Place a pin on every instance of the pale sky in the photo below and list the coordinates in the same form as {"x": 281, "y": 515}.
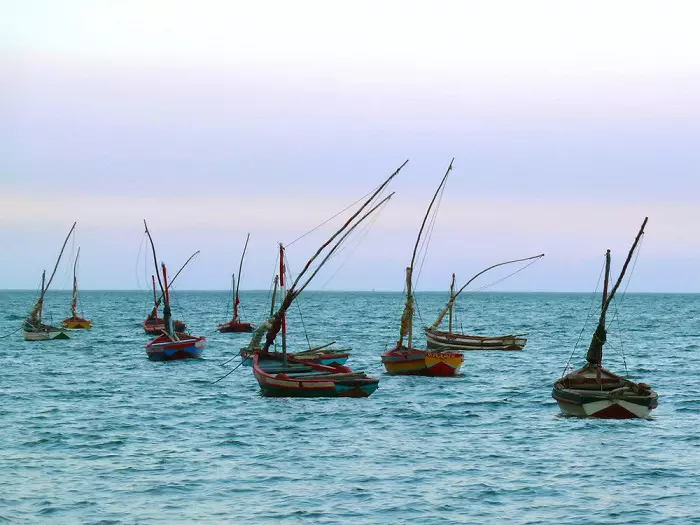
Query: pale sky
{"x": 569, "y": 122}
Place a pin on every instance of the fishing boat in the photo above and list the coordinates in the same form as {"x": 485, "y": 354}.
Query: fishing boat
{"x": 155, "y": 325}
{"x": 235, "y": 325}
{"x": 280, "y": 375}
{"x": 451, "y": 340}
{"x": 171, "y": 344}
{"x": 593, "y": 391}
{"x": 404, "y": 359}
{"x": 32, "y": 328}
{"x": 75, "y": 322}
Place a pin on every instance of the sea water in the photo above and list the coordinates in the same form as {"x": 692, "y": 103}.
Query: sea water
{"x": 93, "y": 432}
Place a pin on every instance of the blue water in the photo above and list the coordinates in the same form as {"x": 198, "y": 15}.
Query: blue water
{"x": 93, "y": 432}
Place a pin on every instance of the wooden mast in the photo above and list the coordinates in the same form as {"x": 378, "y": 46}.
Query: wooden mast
{"x": 233, "y": 295}
{"x": 595, "y": 350}
{"x": 453, "y": 297}
{"x": 155, "y": 259}
{"x": 167, "y": 317}
{"x": 452, "y": 300}
{"x": 274, "y": 294}
{"x": 74, "y": 301}
{"x": 172, "y": 281}
{"x": 407, "y": 316}
{"x": 283, "y": 293}
{"x": 238, "y": 284}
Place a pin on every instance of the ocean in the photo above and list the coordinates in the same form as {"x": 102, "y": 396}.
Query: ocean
{"x": 93, "y": 432}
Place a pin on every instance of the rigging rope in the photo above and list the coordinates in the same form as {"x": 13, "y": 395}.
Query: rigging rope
{"x": 588, "y": 315}
{"x": 506, "y": 277}
{"x": 334, "y": 216}
{"x": 11, "y": 333}
{"x": 428, "y": 237}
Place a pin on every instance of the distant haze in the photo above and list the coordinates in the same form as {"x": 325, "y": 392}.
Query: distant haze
{"x": 569, "y": 123}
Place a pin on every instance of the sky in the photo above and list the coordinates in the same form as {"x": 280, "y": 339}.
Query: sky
{"x": 569, "y": 122}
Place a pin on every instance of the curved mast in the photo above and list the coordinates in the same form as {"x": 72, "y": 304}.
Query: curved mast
{"x": 74, "y": 301}
{"x": 595, "y": 350}
{"x": 238, "y": 283}
{"x": 407, "y": 316}
{"x": 453, "y": 296}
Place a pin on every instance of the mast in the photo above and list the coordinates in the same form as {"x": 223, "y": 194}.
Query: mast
{"x": 453, "y": 297}
{"x": 167, "y": 317}
{"x": 233, "y": 296}
{"x": 40, "y": 304}
{"x": 238, "y": 284}
{"x": 74, "y": 301}
{"x": 452, "y": 300}
{"x": 407, "y": 315}
{"x": 274, "y": 293}
{"x": 172, "y": 281}
{"x": 283, "y": 293}
{"x": 595, "y": 350}
{"x": 155, "y": 301}
{"x": 155, "y": 259}
{"x": 46, "y": 288}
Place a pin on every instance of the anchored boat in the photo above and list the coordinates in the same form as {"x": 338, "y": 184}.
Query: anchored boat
{"x": 450, "y": 340}
{"x": 75, "y": 322}
{"x": 32, "y": 328}
{"x": 171, "y": 344}
{"x": 593, "y": 391}
{"x": 235, "y": 325}
{"x": 404, "y": 359}
{"x": 278, "y": 374}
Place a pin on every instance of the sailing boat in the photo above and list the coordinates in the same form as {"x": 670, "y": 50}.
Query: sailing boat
{"x": 593, "y": 391}
{"x": 234, "y": 325}
{"x": 75, "y": 322}
{"x": 322, "y": 355}
{"x": 280, "y": 375}
{"x": 438, "y": 339}
{"x": 171, "y": 344}
{"x": 404, "y": 359}
{"x": 32, "y": 328}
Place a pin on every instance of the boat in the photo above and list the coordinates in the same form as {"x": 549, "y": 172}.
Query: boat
{"x": 154, "y": 325}
{"x": 450, "y": 340}
{"x": 235, "y": 325}
{"x": 171, "y": 344}
{"x": 32, "y": 328}
{"x": 404, "y": 359}
{"x": 593, "y": 391}
{"x": 75, "y": 322}
{"x": 279, "y": 374}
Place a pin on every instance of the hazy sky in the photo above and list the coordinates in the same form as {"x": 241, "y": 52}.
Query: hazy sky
{"x": 569, "y": 122}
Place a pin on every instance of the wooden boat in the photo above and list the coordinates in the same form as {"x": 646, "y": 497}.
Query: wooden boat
{"x": 171, "y": 344}
{"x": 405, "y": 359}
{"x": 235, "y": 325}
{"x": 450, "y": 340}
{"x": 593, "y": 391}
{"x": 280, "y": 375}
{"x": 32, "y": 328}
{"x": 75, "y": 322}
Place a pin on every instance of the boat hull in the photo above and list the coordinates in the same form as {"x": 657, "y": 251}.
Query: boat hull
{"x": 76, "y": 323}
{"x": 164, "y": 349}
{"x": 603, "y": 405}
{"x": 280, "y": 384}
{"x": 596, "y": 392}
{"x": 328, "y": 359}
{"x": 405, "y": 361}
{"x": 235, "y": 328}
{"x": 46, "y": 334}
{"x": 439, "y": 340}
